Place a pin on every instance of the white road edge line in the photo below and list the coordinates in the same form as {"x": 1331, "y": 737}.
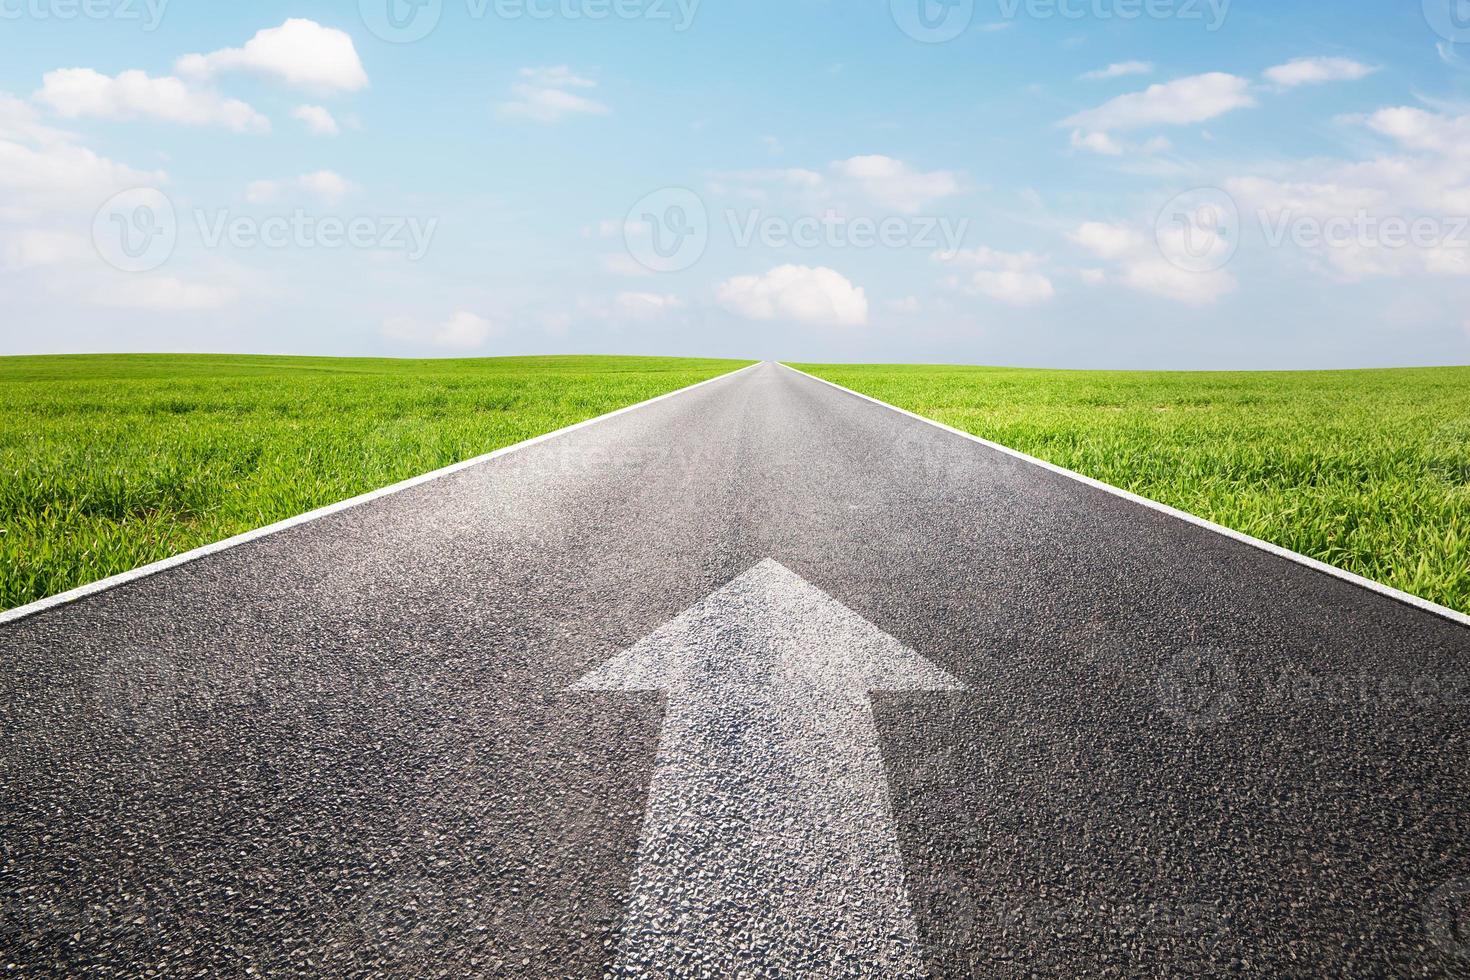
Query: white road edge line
{"x": 1280, "y": 552}
{"x": 183, "y": 558}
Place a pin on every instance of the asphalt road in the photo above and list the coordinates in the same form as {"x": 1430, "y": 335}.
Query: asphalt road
{"x": 354, "y": 747}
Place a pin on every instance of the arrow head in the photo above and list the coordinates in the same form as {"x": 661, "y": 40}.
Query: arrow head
{"x": 769, "y": 628}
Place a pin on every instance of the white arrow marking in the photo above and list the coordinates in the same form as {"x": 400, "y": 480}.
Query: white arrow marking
{"x": 769, "y": 848}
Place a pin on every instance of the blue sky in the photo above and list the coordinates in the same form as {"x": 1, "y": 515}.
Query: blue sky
{"x": 1086, "y": 183}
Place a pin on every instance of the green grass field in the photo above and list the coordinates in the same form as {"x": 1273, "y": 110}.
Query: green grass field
{"x": 1365, "y": 470}
{"x": 110, "y": 462}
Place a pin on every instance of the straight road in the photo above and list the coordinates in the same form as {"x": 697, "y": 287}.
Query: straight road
{"x": 458, "y": 731}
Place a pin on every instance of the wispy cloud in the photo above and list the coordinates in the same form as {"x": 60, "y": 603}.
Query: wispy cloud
{"x": 1120, "y": 69}
{"x": 1315, "y": 71}
{"x": 1177, "y": 103}
{"x": 548, "y": 95}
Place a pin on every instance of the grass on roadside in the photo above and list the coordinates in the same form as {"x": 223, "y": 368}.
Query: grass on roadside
{"x": 108, "y": 462}
{"x": 1365, "y": 470}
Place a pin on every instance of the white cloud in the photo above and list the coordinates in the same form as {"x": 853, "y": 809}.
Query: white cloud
{"x": 757, "y": 185}
{"x": 547, "y": 95}
{"x": 1008, "y": 277}
{"x": 1315, "y": 71}
{"x": 623, "y": 264}
{"x": 646, "y": 306}
{"x": 317, "y": 119}
{"x": 1097, "y": 143}
{"x": 327, "y": 186}
{"x": 263, "y": 191}
{"x": 607, "y": 228}
{"x": 1305, "y": 198}
{"x": 1106, "y": 144}
{"x": 44, "y": 171}
{"x": 462, "y": 331}
{"x": 868, "y": 181}
{"x": 1108, "y": 241}
{"x": 1357, "y": 212}
{"x": 19, "y": 121}
{"x": 894, "y": 184}
{"x": 1159, "y": 276}
{"x": 301, "y": 53}
{"x": 1177, "y": 103}
{"x": 803, "y": 294}
{"x": 33, "y": 248}
{"x": 162, "y": 294}
{"x": 1144, "y": 263}
{"x": 906, "y": 304}
{"x": 75, "y": 93}
{"x": 1417, "y": 129}
{"x": 50, "y": 189}
{"x": 1120, "y": 69}
{"x": 52, "y": 177}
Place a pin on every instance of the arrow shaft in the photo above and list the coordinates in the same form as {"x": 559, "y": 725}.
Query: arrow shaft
{"x": 769, "y": 847}
{"x": 769, "y": 843}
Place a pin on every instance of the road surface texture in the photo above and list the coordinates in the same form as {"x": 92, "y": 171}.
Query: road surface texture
{"x": 422, "y": 737}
